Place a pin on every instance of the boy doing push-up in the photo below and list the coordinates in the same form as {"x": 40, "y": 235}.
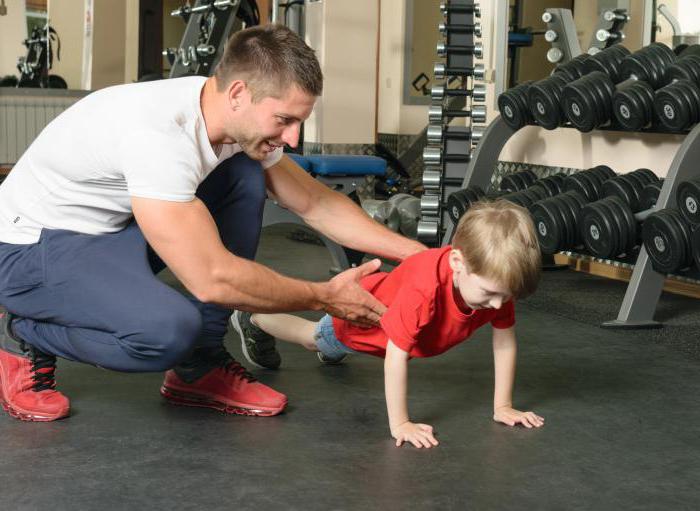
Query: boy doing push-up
{"x": 435, "y": 300}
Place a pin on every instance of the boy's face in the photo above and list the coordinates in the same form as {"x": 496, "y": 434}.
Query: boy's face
{"x": 476, "y": 291}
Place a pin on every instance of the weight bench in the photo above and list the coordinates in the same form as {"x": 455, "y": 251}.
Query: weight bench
{"x": 340, "y": 173}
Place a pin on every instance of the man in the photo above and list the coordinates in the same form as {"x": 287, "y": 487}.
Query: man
{"x": 170, "y": 173}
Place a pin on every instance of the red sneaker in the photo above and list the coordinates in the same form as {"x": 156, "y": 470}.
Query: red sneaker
{"x": 228, "y": 388}
{"x": 27, "y": 380}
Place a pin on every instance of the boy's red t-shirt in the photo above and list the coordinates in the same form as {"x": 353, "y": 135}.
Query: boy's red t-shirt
{"x": 423, "y": 317}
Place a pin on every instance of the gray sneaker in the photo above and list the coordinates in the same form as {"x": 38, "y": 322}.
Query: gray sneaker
{"x": 258, "y": 346}
{"x": 330, "y": 361}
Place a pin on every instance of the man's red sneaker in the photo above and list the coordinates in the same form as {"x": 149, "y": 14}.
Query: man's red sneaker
{"x": 27, "y": 380}
{"x": 228, "y": 387}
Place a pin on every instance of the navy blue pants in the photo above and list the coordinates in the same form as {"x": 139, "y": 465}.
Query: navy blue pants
{"x": 96, "y": 299}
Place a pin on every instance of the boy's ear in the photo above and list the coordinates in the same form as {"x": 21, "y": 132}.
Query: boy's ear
{"x": 456, "y": 260}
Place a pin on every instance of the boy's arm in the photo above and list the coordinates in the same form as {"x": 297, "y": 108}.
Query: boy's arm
{"x": 504, "y": 355}
{"x": 395, "y": 385}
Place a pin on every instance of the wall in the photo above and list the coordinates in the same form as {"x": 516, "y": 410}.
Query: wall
{"x": 13, "y": 30}
{"x": 108, "y": 46}
{"x": 67, "y": 17}
{"x": 345, "y": 37}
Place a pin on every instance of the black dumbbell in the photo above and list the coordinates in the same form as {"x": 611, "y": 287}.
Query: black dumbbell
{"x": 688, "y": 200}
{"x": 589, "y": 183}
{"x": 634, "y": 105}
{"x": 513, "y": 105}
{"x": 650, "y": 194}
{"x": 544, "y": 96}
{"x": 460, "y": 201}
{"x": 667, "y": 238}
{"x": 588, "y": 100}
{"x": 526, "y": 198}
{"x": 518, "y": 181}
{"x": 556, "y": 221}
{"x": 630, "y": 187}
{"x": 552, "y": 185}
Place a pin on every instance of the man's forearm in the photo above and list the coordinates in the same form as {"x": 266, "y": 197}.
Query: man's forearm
{"x": 246, "y": 285}
{"x": 343, "y": 221}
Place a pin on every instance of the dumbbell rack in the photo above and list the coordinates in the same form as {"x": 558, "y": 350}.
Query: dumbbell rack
{"x": 449, "y": 147}
{"x": 645, "y": 285}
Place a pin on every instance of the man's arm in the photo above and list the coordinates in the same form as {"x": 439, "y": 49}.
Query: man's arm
{"x": 395, "y": 386}
{"x": 333, "y": 214}
{"x": 185, "y": 236}
{"x": 504, "y": 356}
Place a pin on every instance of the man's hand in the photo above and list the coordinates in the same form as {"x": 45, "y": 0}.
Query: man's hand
{"x": 420, "y": 435}
{"x": 511, "y": 417}
{"x": 346, "y": 299}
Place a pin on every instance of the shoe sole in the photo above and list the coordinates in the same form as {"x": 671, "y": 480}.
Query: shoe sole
{"x": 184, "y": 399}
{"x": 27, "y": 416}
{"x": 237, "y": 325}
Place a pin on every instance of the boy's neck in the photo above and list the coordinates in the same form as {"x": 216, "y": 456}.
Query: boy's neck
{"x": 461, "y": 304}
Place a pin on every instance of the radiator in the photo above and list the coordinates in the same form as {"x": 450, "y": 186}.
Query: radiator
{"x": 24, "y": 113}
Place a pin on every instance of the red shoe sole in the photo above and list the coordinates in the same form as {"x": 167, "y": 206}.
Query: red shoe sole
{"x": 30, "y": 416}
{"x": 184, "y": 399}
{"x": 24, "y": 415}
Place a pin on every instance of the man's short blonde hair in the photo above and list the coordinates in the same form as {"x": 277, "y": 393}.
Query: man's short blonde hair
{"x": 269, "y": 58}
{"x": 498, "y": 242}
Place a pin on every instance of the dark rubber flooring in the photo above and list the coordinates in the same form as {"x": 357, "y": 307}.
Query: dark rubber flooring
{"x": 622, "y": 427}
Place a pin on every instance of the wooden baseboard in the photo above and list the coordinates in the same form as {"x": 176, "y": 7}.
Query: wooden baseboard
{"x": 624, "y": 273}
{"x": 5, "y": 170}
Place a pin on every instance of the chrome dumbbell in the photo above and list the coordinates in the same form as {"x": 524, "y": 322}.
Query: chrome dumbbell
{"x": 435, "y": 156}
{"x": 447, "y": 8}
{"x": 441, "y": 71}
{"x": 437, "y": 135}
{"x": 475, "y": 29}
{"x": 437, "y": 114}
{"x": 477, "y": 93}
{"x": 476, "y": 49}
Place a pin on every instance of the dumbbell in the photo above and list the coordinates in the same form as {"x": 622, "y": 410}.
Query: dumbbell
{"x": 518, "y": 181}
{"x": 556, "y": 221}
{"x": 433, "y": 180}
{"x": 437, "y": 113}
{"x": 688, "y": 200}
{"x": 552, "y": 185}
{"x": 441, "y": 135}
{"x": 587, "y": 102}
{"x": 476, "y": 49}
{"x": 449, "y": 8}
{"x": 677, "y": 105}
{"x": 440, "y": 92}
{"x": 634, "y": 106}
{"x": 630, "y": 187}
{"x": 409, "y": 213}
{"x": 589, "y": 183}
{"x": 669, "y": 240}
{"x": 442, "y": 71}
{"x": 544, "y": 96}
{"x": 436, "y": 156}
{"x": 384, "y": 212}
{"x": 650, "y": 194}
{"x": 514, "y": 107}
{"x": 445, "y": 28}
{"x": 526, "y": 198}
{"x": 460, "y": 201}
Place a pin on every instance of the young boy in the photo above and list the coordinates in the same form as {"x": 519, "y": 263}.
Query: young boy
{"x": 435, "y": 300}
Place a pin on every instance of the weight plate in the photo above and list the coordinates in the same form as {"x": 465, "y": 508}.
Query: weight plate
{"x": 650, "y": 195}
{"x": 550, "y": 232}
{"x": 636, "y": 188}
{"x": 574, "y": 209}
{"x": 620, "y": 188}
{"x": 695, "y": 246}
{"x": 688, "y": 200}
{"x": 598, "y": 231}
{"x": 625, "y": 240}
{"x": 648, "y": 174}
{"x": 568, "y": 222}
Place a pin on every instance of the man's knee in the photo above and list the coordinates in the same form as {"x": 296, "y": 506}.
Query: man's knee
{"x": 167, "y": 337}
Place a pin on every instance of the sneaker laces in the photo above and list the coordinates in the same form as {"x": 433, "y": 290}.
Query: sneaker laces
{"x": 43, "y": 369}
{"x": 229, "y": 364}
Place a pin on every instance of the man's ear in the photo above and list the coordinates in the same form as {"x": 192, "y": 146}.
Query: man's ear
{"x": 237, "y": 91}
{"x": 456, "y": 261}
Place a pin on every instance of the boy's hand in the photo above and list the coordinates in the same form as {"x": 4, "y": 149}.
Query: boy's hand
{"x": 420, "y": 435}
{"x": 511, "y": 417}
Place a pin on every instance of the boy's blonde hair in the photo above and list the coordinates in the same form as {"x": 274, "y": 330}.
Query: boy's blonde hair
{"x": 498, "y": 242}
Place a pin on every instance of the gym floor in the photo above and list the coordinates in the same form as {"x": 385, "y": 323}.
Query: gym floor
{"x": 622, "y": 423}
